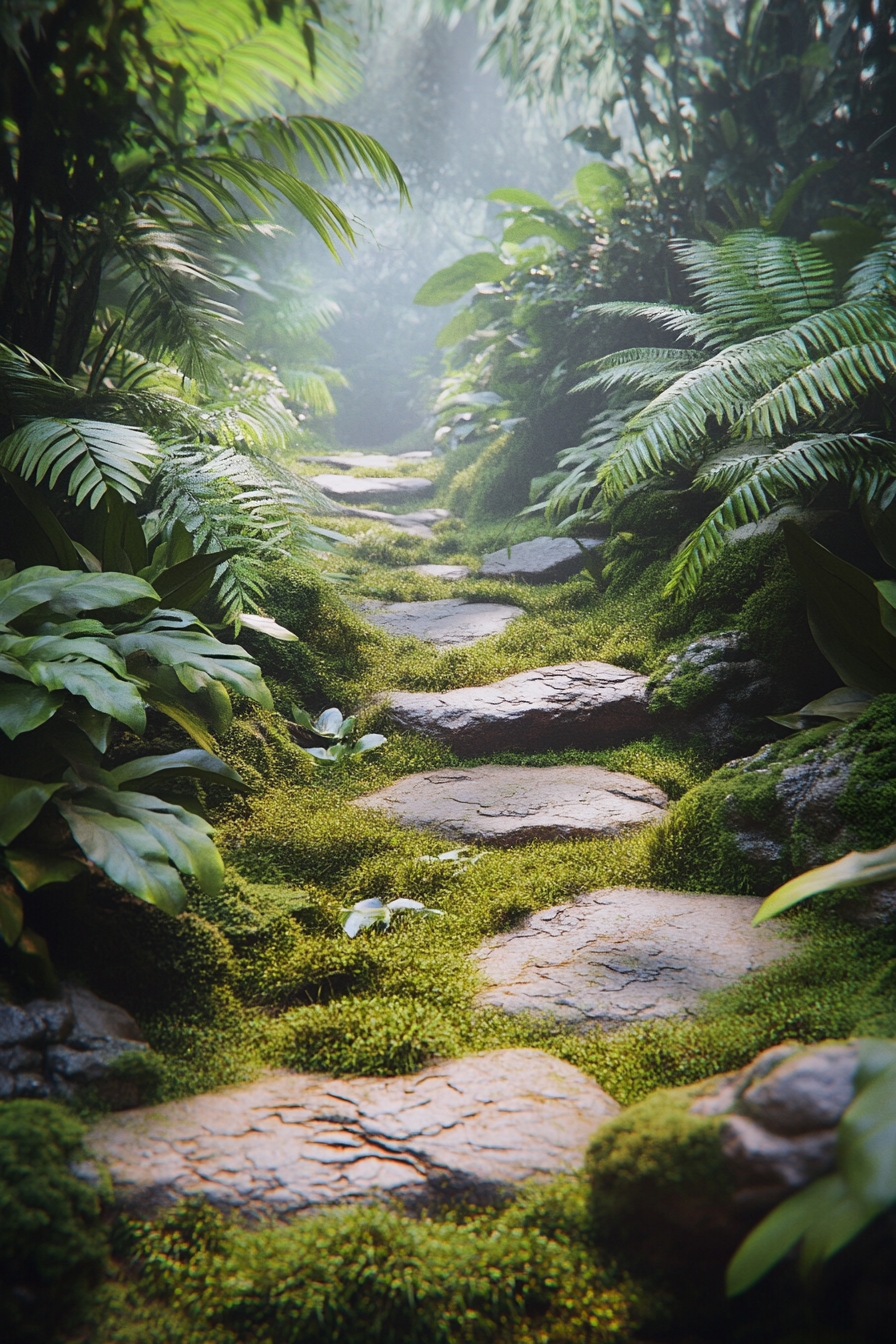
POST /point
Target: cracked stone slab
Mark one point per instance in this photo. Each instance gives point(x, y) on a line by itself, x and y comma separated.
point(449, 622)
point(470, 1127)
point(417, 524)
point(544, 560)
point(588, 704)
point(625, 955)
point(367, 489)
point(513, 804)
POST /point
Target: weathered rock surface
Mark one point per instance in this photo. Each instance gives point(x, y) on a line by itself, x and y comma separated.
point(722, 686)
point(470, 1127)
point(364, 489)
point(587, 705)
point(418, 524)
point(544, 560)
point(449, 622)
point(375, 461)
point(52, 1047)
point(450, 573)
point(781, 1114)
point(513, 804)
point(625, 955)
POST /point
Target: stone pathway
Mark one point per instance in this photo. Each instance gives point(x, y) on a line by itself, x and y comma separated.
point(418, 524)
point(513, 804)
point(450, 622)
point(625, 955)
point(589, 705)
point(367, 489)
point(376, 461)
point(448, 573)
point(471, 1128)
point(544, 560)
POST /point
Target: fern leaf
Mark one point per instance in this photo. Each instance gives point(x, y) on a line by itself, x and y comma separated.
point(97, 455)
point(646, 367)
point(682, 321)
point(843, 377)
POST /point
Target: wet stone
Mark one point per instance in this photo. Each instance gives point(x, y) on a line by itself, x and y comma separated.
point(449, 573)
point(469, 1128)
point(448, 622)
point(544, 560)
point(625, 955)
point(588, 705)
point(514, 804)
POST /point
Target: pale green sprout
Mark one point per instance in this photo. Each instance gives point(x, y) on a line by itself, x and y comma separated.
point(367, 914)
point(331, 724)
point(461, 858)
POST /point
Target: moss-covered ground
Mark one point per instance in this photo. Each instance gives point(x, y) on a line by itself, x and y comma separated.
point(263, 974)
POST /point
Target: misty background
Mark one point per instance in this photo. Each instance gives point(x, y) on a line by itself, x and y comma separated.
point(455, 136)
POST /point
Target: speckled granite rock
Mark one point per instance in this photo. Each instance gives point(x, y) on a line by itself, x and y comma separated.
point(587, 705)
point(449, 622)
point(470, 1127)
point(513, 804)
point(544, 560)
point(625, 955)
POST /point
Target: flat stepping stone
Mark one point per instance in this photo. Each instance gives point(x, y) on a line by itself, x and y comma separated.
point(515, 804)
point(449, 573)
point(625, 955)
point(417, 524)
point(366, 489)
point(473, 1127)
point(589, 705)
point(378, 461)
point(449, 622)
point(544, 560)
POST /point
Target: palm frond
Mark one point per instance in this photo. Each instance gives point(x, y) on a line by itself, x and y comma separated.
point(98, 457)
point(758, 483)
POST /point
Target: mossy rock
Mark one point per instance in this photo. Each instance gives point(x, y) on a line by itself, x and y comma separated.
point(660, 1190)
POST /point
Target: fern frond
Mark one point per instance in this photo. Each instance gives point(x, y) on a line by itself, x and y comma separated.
point(682, 321)
point(875, 274)
point(653, 368)
point(757, 484)
point(841, 378)
point(98, 457)
point(753, 282)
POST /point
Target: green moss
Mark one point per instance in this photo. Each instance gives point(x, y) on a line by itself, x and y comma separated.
point(656, 1174)
point(52, 1243)
point(372, 1275)
point(868, 803)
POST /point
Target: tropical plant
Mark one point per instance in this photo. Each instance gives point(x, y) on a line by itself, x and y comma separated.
point(831, 1211)
point(80, 653)
point(719, 107)
point(330, 724)
point(373, 913)
point(787, 395)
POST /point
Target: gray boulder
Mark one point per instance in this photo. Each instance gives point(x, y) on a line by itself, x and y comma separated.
point(448, 622)
point(588, 705)
point(544, 560)
point(514, 804)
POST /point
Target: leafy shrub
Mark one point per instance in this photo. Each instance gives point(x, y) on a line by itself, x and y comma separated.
point(52, 1245)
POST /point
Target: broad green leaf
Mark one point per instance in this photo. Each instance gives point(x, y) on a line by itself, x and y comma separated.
point(68, 593)
point(876, 1055)
point(845, 703)
point(841, 1220)
point(106, 693)
point(844, 614)
point(38, 868)
point(541, 224)
point(11, 916)
point(266, 625)
point(182, 649)
point(175, 711)
point(369, 742)
point(463, 324)
point(453, 282)
point(99, 456)
point(186, 583)
point(202, 765)
point(94, 726)
point(783, 1228)
point(853, 870)
point(32, 952)
point(60, 549)
point(24, 707)
point(127, 853)
point(599, 189)
point(517, 196)
point(20, 802)
point(184, 836)
point(867, 1142)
